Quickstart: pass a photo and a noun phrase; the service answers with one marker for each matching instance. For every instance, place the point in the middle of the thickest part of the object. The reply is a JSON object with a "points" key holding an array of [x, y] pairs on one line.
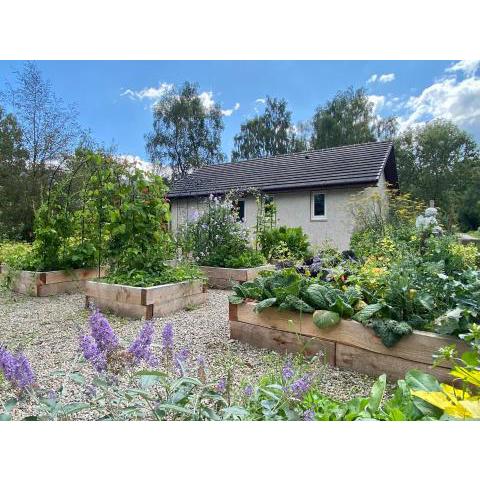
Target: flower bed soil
{"points": [[220, 277], [145, 302], [44, 284], [347, 345]]}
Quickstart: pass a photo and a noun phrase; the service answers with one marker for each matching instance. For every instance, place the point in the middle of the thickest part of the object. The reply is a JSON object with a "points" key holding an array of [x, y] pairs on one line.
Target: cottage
{"points": [[310, 189]]}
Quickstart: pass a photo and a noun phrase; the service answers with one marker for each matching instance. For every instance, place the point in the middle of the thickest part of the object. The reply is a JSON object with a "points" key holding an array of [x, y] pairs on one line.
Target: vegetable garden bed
{"points": [[145, 302], [221, 277], [347, 345], [43, 284]]}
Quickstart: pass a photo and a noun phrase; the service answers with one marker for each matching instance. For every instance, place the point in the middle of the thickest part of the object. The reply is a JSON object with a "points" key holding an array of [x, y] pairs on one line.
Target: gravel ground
{"points": [[47, 330]]}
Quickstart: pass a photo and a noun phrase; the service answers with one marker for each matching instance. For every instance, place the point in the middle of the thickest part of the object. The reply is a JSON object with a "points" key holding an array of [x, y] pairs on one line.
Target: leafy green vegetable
{"points": [[325, 318]]}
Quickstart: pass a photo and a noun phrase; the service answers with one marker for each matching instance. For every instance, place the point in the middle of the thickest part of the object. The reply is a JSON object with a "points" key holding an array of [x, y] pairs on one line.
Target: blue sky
{"points": [[114, 98]]}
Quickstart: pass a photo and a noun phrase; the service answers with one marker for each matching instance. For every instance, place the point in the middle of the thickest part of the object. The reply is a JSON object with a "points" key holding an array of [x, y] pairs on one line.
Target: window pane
{"points": [[241, 210], [319, 205]]}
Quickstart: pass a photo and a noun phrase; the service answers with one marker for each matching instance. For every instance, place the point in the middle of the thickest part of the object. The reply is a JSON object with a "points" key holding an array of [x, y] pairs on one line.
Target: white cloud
{"points": [[469, 67], [229, 111], [145, 165], [260, 100], [448, 98], [384, 78], [149, 93], [378, 102], [207, 100]]}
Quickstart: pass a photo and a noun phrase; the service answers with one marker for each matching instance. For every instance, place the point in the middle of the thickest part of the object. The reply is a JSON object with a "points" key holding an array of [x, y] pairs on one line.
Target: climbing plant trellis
{"points": [[103, 210]]}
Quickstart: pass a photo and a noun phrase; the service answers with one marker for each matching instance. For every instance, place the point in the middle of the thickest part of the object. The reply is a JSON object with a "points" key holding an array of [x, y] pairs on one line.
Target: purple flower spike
{"points": [[16, 369], [102, 332], [167, 337], [180, 358], [92, 353], [301, 386], [141, 348], [309, 415], [287, 370], [221, 385], [248, 391]]}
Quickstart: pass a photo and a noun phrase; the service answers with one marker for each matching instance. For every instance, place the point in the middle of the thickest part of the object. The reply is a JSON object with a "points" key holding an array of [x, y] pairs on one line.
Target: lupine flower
{"points": [[248, 391], [92, 353], [90, 391], [201, 361], [301, 386], [16, 369], [141, 348], [167, 337], [309, 415], [287, 370], [221, 385], [102, 332]]}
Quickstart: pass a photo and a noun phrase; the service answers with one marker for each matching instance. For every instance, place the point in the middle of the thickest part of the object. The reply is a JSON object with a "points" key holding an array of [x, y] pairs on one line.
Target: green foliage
{"points": [[287, 289], [268, 134], [217, 237], [185, 134], [294, 241], [247, 259], [347, 119], [17, 255], [325, 319], [441, 162], [162, 274]]}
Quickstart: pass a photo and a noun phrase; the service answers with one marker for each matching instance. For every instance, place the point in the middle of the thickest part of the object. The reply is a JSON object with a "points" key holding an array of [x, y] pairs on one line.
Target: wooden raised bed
{"points": [[348, 345], [220, 277], [145, 302], [44, 284]]}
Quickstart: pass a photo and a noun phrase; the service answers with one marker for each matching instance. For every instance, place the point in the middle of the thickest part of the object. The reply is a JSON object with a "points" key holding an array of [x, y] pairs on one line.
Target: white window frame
{"points": [[318, 218]]}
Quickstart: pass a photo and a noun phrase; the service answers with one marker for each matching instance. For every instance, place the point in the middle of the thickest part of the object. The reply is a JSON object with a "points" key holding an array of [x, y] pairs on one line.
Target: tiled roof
{"points": [[346, 165]]}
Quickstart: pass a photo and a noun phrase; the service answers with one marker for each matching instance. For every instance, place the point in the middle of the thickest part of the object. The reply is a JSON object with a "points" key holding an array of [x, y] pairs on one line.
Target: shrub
{"points": [[217, 237], [17, 255], [284, 242]]}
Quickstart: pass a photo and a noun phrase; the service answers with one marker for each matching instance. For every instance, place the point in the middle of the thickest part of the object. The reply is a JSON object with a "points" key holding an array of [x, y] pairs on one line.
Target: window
{"points": [[239, 209], [317, 208]]}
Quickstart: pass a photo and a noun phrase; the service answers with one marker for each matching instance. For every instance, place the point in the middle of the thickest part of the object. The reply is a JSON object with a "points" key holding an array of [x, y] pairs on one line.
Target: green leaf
{"points": [[376, 395], [10, 404], [418, 380], [367, 312], [268, 302], [235, 412], [5, 417], [76, 407], [235, 299], [77, 378]]}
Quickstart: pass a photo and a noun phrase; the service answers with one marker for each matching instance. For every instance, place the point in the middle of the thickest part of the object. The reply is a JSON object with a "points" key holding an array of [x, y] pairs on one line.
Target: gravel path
{"points": [[47, 330]]}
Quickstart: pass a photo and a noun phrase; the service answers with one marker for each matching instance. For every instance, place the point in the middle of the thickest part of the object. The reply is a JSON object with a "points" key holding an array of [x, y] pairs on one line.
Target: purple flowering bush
{"points": [[218, 238]]}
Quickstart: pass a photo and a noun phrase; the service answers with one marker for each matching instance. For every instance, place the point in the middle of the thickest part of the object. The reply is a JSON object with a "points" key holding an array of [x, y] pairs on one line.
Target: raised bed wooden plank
{"points": [[60, 276], [221, 277], [127, 310], [115, 293], [419, 346], [61, 287], [138, 302], [163, 293], [375, 364], [281, 342], [166, 307]]}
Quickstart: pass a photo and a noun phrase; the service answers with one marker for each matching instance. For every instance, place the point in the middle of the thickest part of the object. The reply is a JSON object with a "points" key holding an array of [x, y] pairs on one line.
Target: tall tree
{"points": [[49, 130], [186, 133], [440, 162], [271, 133], [14, 205], [347, 119]]}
